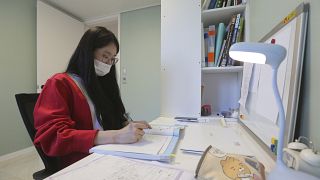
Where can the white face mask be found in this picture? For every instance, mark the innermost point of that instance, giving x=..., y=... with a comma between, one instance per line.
x=101, y=68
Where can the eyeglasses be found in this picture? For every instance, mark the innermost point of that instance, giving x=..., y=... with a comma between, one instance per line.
x=111, y=61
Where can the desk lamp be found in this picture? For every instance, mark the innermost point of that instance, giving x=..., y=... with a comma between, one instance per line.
x=272, y=54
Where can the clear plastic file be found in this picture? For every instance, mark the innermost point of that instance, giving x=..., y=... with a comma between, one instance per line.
x=157, y=144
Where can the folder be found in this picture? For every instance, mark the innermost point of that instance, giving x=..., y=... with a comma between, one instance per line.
x=157, y=144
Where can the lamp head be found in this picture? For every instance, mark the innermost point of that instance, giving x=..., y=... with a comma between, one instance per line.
x=259, y=53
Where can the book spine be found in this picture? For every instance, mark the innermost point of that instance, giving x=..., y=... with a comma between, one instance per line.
x=225, y=3
x=203, y=51
x=234, y=36
x=228, y=3
x=212, y=4
x=228, y=42
x=205, y=5
x=236, y=27
x=206, y=49
x=219, y=3
x=241, y=27
x=219, y=61
x=219, y=40
x=211, y=45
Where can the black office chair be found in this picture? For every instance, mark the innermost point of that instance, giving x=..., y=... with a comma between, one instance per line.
x=26, y=103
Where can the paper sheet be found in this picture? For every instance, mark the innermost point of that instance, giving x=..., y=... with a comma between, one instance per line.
x=247, y=71
x=198, y=138
x=149, y=144
x=254, y=83
x=164, y=121
x=115, y=168
x=267, y=106
x=162, y=130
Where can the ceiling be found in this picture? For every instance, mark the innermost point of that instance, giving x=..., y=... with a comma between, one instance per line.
x=91, y=10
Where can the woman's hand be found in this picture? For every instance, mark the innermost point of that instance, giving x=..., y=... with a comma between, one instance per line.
x=132, y=133
x=143, y=122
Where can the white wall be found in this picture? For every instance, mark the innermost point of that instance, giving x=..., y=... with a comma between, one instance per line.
x=17, y=69
x=57, y=37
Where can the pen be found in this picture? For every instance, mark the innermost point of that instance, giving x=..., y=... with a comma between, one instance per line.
x=127, y=116
x=186, y=118
x=130, y=120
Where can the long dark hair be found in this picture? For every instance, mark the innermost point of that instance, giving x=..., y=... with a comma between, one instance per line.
x=104, y=90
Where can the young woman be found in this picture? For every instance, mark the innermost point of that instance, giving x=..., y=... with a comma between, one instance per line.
x=82, y=107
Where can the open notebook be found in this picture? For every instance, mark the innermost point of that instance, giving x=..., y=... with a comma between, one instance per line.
x=229, y=139
x=157, y=144
x=98, y=167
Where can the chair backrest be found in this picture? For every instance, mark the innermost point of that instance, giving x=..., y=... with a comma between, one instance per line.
x=26, y=103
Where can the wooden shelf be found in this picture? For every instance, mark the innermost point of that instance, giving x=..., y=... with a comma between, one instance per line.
x=227, y=69
x=216, y=16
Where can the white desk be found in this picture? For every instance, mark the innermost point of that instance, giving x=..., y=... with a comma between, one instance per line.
x=187, y=161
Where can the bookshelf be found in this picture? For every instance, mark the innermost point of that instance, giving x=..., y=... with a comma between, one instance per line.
x=214, y=16
x=231, y=69
x=182, y=76
x=221, y=85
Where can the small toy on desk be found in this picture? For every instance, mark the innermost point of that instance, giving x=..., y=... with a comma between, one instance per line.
x=273, y=145
x=223, y=121
x=242, y=116
x=232, y=113
x=226, y=114
x=206, y=110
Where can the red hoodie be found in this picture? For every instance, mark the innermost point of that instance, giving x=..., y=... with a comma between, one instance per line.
x=63, y=120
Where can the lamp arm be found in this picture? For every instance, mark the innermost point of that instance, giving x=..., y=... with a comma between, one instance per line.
x=281, y=116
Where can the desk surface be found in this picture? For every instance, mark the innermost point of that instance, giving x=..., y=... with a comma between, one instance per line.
x=188, y=161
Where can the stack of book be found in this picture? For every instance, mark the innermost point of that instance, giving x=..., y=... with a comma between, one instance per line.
x=218, y=39
x=213, y=4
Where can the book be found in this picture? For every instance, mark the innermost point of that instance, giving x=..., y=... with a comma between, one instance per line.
x=219, y=4
x=211, y=45
x=222, y=59
x=205, y=4
x=221, y=52
x=157, y=144
x=225, y=55
x=219, y=40
x=215, y=135
x=229, y=3
x=236, y=29
x=240, y=31
x=212, y=4
x=234, y=36
x=205, y=49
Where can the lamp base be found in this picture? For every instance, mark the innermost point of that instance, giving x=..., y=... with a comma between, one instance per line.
x=283, y=172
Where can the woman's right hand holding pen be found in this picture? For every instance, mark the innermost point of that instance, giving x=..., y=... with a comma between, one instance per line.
x=131, y=133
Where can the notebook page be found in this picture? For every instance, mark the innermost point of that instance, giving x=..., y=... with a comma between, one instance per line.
x=115, y=168
x=162, y=130
x=229, y=140
x=149, y=144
